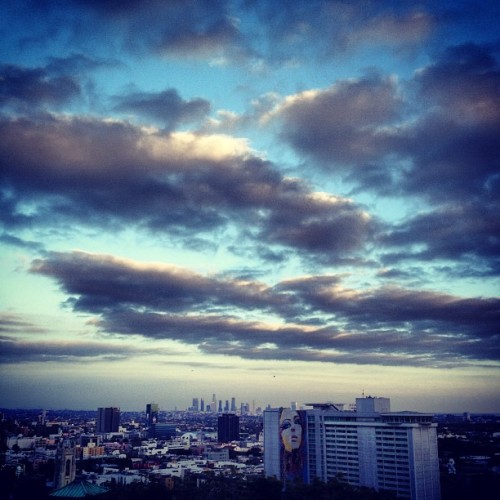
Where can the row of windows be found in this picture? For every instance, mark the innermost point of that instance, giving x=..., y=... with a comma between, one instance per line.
x=334, y=446
x=399, y=468
x=340, y=419
x=342, y=466
x=344, y=430
x=413, y=419
x=391, y=438
x=403, y=485
x=345, y=446
x=336, y=439
x=344, y=470
x=392, y=462
x=395, y=446
x=333, y=432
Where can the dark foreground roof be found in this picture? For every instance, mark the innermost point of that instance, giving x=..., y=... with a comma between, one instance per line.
x=79, y=489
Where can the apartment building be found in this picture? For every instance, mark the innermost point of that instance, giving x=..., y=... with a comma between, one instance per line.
x=371, y=446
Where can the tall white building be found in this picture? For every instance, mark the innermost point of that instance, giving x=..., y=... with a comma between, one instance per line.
x=371, y=446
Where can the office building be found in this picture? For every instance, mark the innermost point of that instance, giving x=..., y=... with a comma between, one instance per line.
x=228, y=428
x=151, y=418
x=233, y=404
x=371, y=446
x=151, y=414
x=164, y=431
x=108, y=420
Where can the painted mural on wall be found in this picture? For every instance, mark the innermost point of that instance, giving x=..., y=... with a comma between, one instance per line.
x=293, y=444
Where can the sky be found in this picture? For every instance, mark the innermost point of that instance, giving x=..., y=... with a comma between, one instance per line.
x=269, y=200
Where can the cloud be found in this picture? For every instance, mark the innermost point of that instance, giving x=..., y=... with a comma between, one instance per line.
x=404, y=29
x=27, y=88
x=450, y=232
x=10, y=239
x=167, y=107
x=14, y=324
x=79, y=64
x=258, y=340
x=453, y=147
x=108, y=173
x=191, y=29
x=14, y=351
x=318, y=317
x=397, y=307
x=217, y=30
x=341, y=125
x=333, y=29
x=370, y=132
x=103, y=282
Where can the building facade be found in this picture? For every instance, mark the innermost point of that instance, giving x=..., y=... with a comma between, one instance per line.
x=371, y=446
x=108, y=420
x=163, y=430
x=151, y=418
x=228, y=428
x=151, y=414
x=65, y=465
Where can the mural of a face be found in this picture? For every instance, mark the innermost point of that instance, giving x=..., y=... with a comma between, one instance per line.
x=291, y=429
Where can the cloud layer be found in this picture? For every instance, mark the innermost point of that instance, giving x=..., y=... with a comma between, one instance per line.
x=388, y=325
x=312, y=183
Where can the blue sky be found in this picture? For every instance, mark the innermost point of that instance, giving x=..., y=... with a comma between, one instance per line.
x=273, y=201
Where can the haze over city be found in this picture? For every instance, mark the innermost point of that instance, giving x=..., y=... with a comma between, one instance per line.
x=273, y=201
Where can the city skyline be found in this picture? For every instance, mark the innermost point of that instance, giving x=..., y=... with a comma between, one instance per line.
x=278, y=201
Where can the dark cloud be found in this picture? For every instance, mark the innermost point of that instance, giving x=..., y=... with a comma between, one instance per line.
x=190, y=28
x=212, y=28
x=454, y=147
x=332, y=29
x=342, y=125
x=15, y=324
x=103, y=173
x=162, y=302
x=10, y=239
x=102, y=282
x=450, y=232
x=447, y=153
x=79, y=64
x=122, y=6
x=211, y=35
x=13, y=351
x=397, y=274
x=26, y=88
x=254, y=340
x=396, y=306
x=359, y=129
x=347, y=229
x=167, y=107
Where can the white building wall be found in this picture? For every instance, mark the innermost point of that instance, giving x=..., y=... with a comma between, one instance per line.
x=425, y=463
x=367, y=450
